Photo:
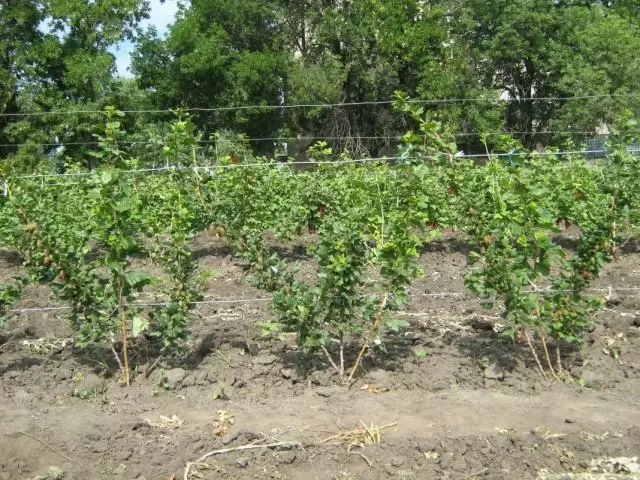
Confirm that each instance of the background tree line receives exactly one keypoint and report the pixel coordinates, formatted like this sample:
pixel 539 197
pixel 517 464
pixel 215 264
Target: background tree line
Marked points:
pixel 503 54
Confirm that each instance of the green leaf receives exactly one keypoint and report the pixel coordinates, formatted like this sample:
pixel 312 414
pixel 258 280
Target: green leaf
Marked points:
pixel 123 205
pixel 395 325
pixel 105 177
pixel 137 280
pixel 420 353
pixel 139 325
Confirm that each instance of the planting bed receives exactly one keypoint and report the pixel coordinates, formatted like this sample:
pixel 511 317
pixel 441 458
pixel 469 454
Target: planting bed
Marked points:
pixel 448 399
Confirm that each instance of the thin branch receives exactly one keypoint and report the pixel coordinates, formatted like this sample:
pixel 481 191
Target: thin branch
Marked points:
pixel 535 355
pixel 369 462
pixel 472 475
pixel 236 449
pixel 125 339
pixel 381 210
pixel 152 367
pixel 543 337
pixel 374 328
pixel 328 355
pixel 559 358
pixel 115 354
pixel 46 445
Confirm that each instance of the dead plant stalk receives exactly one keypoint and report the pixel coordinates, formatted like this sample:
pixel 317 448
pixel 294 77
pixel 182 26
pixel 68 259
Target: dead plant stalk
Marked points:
pixel 373 331
pixel 235 449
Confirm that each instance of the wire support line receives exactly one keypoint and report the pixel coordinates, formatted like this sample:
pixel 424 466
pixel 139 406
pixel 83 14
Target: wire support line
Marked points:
pixel 289 139
pixel 145 304
pixel 230 301
pixel 435 101
pixel 173 168
pixel 431 156
pixel 543 291
pixel 528 154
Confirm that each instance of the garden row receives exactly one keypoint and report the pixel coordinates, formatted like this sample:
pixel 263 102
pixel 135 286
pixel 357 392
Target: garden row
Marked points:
pixel 80 234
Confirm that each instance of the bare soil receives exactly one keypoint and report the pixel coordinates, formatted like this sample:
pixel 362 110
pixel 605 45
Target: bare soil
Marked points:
pixel 448 399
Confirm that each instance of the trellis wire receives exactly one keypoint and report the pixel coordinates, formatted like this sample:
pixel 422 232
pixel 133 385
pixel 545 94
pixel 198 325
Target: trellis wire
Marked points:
pixel 241 139
pixel 240 300
pixel 435 101
pixel 309 162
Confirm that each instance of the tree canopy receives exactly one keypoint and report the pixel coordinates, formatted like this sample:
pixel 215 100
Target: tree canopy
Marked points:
pixel 523 66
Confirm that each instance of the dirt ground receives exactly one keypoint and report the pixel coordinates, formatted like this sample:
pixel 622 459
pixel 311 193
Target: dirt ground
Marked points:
pixel 448 400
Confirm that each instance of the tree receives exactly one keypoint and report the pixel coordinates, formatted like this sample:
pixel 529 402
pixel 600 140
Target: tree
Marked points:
pixel 311 52
pixel 54 56
pixel 219 53
pixel 362 51
pixel 19 38
pixel 534 48
pixel 606 62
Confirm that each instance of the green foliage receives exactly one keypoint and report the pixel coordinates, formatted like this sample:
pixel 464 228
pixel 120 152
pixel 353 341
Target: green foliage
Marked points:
pixel 511 208
pixel 80 233
pixel 55 55
pixel 517 256
pixel 80 238
pixel 365 249
pixel 9 295
pixel 534 48
pixel 218 53
pixel 175 212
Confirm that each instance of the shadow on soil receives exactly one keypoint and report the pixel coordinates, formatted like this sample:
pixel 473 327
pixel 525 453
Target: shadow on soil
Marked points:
pixel 21 364
pixel 220 251
pixel 491 356
pixel 12 258
pixel 446 245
